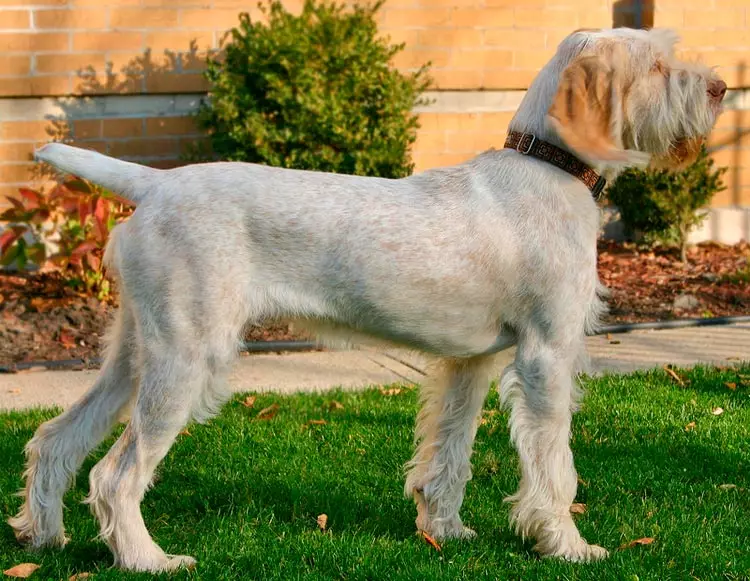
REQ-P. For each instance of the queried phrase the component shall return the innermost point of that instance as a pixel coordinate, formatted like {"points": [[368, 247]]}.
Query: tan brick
{"points": [[453, 79], [450, 38], [107, 41], [77, 3], [14, 65], [158, 126], [122, 128], [179, 41], [34, 41], [497, 121], [431, 142], [423, 162], [16, 172], [102, 83], [33, 3], [416, 17], [510, 38], [732, 3], [140, 18], [535, 18], [209, 19], [415, 58], [93, 144], [24, 131], [293, 6], [727, 18], [675, 18], [16, 151], [80, 19], [59, 63], [15, 19], [480, 59], [144, 148], [408, 36], [481, 18], [531, 59], [47, 85], [87, 129], [177, 83], [507, 79], [601, 18], [724, 58], [516, 3]]}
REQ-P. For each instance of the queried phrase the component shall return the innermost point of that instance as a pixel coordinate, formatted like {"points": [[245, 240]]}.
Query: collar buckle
{"points": [[526, 143]]}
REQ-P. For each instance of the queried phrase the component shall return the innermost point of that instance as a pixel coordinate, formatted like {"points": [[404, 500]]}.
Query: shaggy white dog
{"points": [[458, 262]]}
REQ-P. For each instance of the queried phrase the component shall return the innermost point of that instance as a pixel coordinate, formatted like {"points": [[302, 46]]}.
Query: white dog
{"points": [[459, 263]]}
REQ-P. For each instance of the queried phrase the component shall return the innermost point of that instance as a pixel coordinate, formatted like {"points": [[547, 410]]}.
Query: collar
{"points": [[528, 144]]}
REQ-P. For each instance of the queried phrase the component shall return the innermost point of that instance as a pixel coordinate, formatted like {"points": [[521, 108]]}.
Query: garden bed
{"points": [[42, 319]]}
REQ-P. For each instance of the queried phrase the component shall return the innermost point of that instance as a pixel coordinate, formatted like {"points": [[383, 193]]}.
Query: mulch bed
{"points": [[42, 319]]}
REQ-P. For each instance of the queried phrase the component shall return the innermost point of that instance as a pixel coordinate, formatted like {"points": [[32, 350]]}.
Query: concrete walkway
{"points": [[292, 372]]}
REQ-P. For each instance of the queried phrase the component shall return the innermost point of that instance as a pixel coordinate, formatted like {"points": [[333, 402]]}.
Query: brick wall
{"points": [[128, 55]]}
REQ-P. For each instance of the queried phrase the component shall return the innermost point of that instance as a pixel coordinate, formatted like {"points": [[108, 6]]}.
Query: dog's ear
{"points": [[587, 110]]}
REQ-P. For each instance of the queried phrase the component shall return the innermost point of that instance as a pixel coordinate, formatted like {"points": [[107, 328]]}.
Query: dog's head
{"points": [[622, 98]]}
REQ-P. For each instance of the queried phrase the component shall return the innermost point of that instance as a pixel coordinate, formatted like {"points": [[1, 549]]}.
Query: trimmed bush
{"points": [[663, 206], [314, 91]]}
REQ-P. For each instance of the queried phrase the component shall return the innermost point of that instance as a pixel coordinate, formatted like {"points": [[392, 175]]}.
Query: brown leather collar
{"points": [[528, 144]]}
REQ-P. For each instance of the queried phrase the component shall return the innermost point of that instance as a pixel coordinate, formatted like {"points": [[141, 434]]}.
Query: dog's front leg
{"points": [[446, 427], [540, 389]]}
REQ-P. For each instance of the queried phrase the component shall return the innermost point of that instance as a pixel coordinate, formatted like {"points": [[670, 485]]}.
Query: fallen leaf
{"points": [[67, 339], [335, 405], [731, 385], [734, 358], [21, 571], [674, 375], [268, 413], [78, 576], [727, 486], [14, 391], [391, 391], [614, 342], [185, 432], [717, 411], [322, 522], [690, 427], [577, 508], [430, 541], [582, 482], [316, 422], [635, 543], [249, 401]]}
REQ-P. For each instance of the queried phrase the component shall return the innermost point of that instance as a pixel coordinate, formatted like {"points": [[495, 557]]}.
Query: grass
{"points": [[242, 495]]}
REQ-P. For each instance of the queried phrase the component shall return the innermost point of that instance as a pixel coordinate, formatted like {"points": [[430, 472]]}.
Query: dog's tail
{"points": [[128, 180]]}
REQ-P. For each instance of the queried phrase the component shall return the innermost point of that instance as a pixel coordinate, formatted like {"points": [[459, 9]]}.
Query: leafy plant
{"points": [[664, 206], [312, 91], [76, 217]]}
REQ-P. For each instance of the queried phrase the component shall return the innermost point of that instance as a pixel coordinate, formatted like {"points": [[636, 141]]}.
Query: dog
{"points": [[459, 263]]}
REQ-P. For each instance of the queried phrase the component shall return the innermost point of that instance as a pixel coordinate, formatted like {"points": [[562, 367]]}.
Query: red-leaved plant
{"points": [[76, 217]]}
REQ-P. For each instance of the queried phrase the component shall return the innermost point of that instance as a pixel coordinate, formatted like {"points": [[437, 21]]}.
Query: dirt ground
{"points": [[43, 320]]}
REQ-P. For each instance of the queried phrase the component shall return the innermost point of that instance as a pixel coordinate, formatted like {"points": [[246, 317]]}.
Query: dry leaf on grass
{"points": [[671, 372], [316, 423], [582, 482], [577, 508], [268, 413], [67, 339], [14, 391], [717, 411], [335, 405], [21, 571], [727, 486], [322, 522], [249, 401], [635, 543], [391, 391], [78, 576], [731, 385], [690, 427], [185, 432], [430, 541]]}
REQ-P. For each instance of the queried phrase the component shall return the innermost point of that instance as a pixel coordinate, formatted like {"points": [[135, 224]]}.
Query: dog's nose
{"points": [[717, 89]]}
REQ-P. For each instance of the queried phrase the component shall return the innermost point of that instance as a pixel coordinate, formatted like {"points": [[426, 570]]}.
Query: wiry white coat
{"points": [[458, 262]]}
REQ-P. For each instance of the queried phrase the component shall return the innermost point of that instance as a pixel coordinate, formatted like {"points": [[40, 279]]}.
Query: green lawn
{"points": [[242, 495]]}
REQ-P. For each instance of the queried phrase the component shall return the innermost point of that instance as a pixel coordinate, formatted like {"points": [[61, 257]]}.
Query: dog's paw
{"points": [[176, 562], [452, 530], [580, 552], [34, 539]]}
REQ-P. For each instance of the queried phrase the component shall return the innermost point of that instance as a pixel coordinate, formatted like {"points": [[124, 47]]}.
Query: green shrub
{"points": [[314, 91], [663, 206]]}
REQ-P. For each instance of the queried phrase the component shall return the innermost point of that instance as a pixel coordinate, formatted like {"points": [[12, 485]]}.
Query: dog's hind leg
{"points": [[446, 426], [540, 389], [59, 446]]}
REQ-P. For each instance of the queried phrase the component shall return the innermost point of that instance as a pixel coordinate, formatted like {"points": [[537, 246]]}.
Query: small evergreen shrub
{"points": [[314, 91], [664, 206]]}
